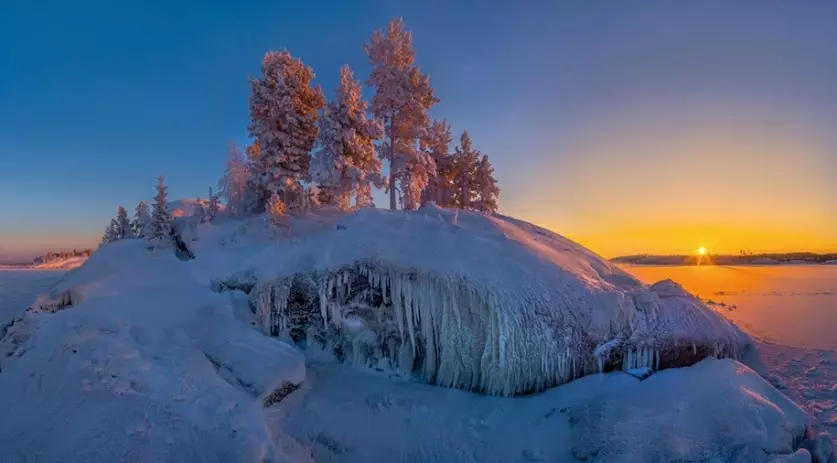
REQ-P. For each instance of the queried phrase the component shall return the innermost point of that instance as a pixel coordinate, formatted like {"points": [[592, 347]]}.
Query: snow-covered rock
{"points": [[474, 301], [145, 364], [717, 410]]}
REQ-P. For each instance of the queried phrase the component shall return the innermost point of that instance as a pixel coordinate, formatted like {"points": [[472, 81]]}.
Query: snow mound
{"points": [[145, 364], [472, 301], [717, 410]]}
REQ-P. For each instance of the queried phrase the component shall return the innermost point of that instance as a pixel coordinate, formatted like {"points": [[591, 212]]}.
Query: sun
{"points": [[701, 251]]}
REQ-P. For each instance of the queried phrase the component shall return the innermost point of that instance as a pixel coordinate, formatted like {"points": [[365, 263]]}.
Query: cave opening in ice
{"points": [[453, 333]]}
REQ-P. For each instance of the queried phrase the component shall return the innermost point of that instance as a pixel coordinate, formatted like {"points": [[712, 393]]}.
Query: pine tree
{"points": [[160, 234], [233, 185], [123, 224], [465, 169], [436, 143], [402, 98], [212, 208], [283, 121], [486, 187], [142, 219], [346, 162]]}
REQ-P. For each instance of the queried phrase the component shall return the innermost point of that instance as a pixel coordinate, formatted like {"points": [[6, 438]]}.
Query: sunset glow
{"points": [[701, 251]]}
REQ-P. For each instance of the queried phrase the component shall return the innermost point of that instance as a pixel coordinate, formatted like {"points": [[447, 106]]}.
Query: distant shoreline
{"points": [[796, 258]]}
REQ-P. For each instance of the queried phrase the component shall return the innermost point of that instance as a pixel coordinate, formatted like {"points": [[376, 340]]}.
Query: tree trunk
{"points": [[392, 205]]}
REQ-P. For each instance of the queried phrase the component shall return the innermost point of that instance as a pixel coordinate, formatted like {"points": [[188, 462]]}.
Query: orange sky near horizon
{"points": [[667, 185]]}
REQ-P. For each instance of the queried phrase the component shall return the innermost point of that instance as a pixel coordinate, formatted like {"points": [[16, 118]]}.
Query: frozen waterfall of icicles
{"points": [[448, 331]]}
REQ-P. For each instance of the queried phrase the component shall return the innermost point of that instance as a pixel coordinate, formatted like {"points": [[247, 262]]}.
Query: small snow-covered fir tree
{"points": [[403, 96], [212, 208], [110, 232], [465, 170], [233, 185], [160, 229], [123, 224], [142, 219], [200, 211], [283, 121], [486, 187], [346, 162]]}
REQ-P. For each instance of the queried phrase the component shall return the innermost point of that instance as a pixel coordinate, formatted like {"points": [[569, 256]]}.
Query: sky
{"points": [[631, 127]]}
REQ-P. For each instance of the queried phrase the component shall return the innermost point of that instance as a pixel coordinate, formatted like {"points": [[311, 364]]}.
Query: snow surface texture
{"points": [[144, 364], [477, 302], [132, 358], [715, 411], [18, 288]]}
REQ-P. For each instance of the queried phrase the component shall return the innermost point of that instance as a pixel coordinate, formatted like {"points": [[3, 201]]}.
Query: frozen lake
{"points": [[19, 288], [794, 305]]}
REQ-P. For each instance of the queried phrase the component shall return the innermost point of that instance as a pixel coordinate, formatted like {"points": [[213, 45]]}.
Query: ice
{"points": [[479, 302]]}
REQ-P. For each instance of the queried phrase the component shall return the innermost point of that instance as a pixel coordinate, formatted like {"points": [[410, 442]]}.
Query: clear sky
{"points": [[631, 126]]}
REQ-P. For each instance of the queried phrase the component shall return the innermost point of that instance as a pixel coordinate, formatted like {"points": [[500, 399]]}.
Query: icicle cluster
{"points": [[453, 334]]}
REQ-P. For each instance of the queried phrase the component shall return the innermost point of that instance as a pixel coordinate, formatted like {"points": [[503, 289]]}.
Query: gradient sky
{"points": [[631, 126]]}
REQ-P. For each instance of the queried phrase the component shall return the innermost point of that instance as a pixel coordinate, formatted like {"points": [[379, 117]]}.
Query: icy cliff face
{"points": [[477, 302]]}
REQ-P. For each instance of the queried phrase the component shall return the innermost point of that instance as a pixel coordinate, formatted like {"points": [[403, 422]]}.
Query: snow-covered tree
{"points": [[233, 185], [346, 162], [276, 211], [213, 206], [485, 186], [283, 121], [465, 169], [110, 232], [142, 219], [402, 98], [123, 224], [255, 195], [436, 143], [200, 211], [160, 229]]}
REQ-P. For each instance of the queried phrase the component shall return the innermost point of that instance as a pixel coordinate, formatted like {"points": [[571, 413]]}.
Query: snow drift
{"points": [[472, 301], [132, 358]]}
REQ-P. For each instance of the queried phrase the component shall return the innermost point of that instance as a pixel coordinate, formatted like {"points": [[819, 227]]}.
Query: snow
{"points": [[790, 312], [478, 301], [19, 287], [716, 409], [62, 264], [147, 363]]}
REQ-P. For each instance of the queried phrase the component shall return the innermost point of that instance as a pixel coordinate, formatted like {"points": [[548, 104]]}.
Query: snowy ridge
{"points": [[479, 302]]}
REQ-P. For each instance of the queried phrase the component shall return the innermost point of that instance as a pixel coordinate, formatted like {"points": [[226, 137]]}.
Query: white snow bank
{"points": [[146, 365], [472, 301], [715, 411]]}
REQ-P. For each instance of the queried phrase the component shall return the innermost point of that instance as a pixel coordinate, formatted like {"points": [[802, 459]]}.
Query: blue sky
{"points": [[583, 107]]}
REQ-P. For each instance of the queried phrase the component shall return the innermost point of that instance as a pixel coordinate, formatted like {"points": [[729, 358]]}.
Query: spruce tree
{"points": [[283, 121], [123, 224], [436, 143], [465, 169], [486, 187], [142, 219], [160, 234], [212, 208]]}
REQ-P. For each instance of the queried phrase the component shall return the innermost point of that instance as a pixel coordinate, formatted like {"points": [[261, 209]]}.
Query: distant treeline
{"points": [[61, 255], [745, 258]]}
